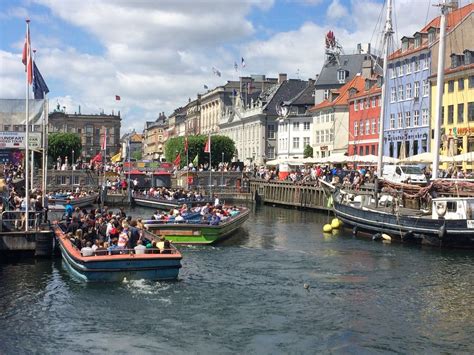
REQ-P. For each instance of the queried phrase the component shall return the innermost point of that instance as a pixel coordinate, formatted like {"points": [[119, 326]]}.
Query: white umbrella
{"points": [[425, 158], [390, 160], [465, 157]]}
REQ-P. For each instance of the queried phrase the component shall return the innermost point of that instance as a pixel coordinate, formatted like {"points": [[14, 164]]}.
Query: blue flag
{"points": [[39, 85]]}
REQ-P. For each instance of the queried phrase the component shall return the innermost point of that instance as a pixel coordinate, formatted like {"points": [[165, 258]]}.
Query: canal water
{"points": [[247, 295]]}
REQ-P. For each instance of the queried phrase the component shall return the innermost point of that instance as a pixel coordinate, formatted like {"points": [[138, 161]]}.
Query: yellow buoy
{"points": [[327, 228], [386, 237], [335, 223]]}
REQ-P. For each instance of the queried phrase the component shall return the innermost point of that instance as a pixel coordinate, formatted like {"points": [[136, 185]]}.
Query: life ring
{"points": [[441, 208]]}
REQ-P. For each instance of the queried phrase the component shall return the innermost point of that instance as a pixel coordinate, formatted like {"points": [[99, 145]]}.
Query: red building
{"points": [[364, 116]]}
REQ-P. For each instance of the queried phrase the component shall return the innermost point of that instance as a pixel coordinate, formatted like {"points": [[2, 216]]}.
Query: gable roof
{"points": [[305, 97], [358, 82], [453, 18], [285, 91], [349, 62]]}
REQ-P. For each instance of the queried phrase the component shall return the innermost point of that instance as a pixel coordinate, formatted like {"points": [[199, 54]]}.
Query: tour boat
{"points": [[119, 267], [59, 202], [165, 204], [192, 231]]}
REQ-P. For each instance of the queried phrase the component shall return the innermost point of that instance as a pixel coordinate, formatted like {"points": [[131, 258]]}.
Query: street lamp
{"points": [[222, 170], [72, 168]]}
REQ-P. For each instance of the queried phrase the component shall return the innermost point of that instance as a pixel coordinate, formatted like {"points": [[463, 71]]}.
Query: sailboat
{"points": [[444, 221]]}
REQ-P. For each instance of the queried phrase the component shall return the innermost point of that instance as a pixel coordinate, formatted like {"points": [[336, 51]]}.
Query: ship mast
{"points": [[439, 89], [388, 32]]}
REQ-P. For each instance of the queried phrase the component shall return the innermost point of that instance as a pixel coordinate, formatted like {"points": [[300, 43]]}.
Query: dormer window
{"points": [[404, 45], [417, 41], [341, 76], [431, 35], [326, 94]]}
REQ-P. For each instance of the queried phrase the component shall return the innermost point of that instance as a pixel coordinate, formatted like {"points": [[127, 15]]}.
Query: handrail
{"points": [[12, 223]]}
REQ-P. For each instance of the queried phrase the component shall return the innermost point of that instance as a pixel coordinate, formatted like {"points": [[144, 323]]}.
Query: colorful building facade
{"points": [[364, 117], [457, 131]]}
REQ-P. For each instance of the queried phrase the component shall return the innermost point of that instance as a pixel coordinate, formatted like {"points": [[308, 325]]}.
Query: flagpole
{"points": [[27, 136], [45, 149], [210, 167], [187, 163]]}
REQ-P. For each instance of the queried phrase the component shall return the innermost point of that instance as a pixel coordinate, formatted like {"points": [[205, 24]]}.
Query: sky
{"points": [[156, 54]]}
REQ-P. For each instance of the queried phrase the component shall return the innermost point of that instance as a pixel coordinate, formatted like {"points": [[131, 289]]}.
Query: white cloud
{"points": [[336, 10]]}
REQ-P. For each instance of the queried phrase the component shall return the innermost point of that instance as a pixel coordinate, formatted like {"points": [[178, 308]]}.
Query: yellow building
{"points": [[457, 130]]}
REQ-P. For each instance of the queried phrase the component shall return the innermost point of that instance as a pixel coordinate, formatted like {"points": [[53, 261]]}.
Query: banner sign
{"points": [[10, 139]]}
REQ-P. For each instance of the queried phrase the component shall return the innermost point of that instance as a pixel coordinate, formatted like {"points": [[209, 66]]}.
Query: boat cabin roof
{"points": [[453, 199]]}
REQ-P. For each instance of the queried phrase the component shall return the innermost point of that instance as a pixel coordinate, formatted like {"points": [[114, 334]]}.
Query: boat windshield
{"points": [[415, 170]]}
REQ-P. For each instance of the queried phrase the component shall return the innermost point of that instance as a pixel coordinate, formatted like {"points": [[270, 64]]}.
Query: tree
{"points": [[137, 155], [219, 145], [308, 151], [62, 144]]}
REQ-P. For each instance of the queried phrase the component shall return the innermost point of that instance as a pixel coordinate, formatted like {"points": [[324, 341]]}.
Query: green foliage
{"points": [[219, 145], [62, 144], [137, 155], [308, 151]]}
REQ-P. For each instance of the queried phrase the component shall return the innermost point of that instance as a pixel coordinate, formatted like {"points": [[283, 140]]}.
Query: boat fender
{"points": [[386, 237], [441, 208], [335, 224], [354, 231], [442, 231], [377, 236], [408, 236], [327, 228]]}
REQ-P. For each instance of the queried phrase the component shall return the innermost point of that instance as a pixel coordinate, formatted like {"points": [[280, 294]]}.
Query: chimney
{"points": [[367, 68], [359, 48], [281, 78], [79, 109], [310, 82]]}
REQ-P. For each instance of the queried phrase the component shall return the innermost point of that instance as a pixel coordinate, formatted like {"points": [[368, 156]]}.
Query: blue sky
{"points": [[157, 54]]}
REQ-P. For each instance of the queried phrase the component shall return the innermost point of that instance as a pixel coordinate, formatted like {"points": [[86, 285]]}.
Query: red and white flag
{"points": [[177, 161], [27, 59], [207, 147]]}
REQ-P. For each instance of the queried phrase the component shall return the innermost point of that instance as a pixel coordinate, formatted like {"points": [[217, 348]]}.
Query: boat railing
{"points": [[13, 221]]}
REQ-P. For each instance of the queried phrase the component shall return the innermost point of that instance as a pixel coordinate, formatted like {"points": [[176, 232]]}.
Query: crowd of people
{"points": [[173, 194], [205, 214], [103, 232]]}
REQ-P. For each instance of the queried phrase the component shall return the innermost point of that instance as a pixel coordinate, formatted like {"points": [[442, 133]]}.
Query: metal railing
{"points": [[14, 221]]}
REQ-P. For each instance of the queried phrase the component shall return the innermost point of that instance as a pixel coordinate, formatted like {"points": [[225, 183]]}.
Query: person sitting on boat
{"points": [[160, 244], [113, 248], [87, 250], [123, 237], [206, 209], [140, 248], [179, 218], [215, 219], [157, 215]]}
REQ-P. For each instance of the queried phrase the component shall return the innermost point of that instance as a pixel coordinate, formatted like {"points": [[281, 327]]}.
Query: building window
{"points": [[296, 142], [406, 67], [431, 36], [399, 70], [366, 103], [426, 88], [374, 126], [442, 115], [400, 93], [356, 108], [6, 127], [461, 113], [306, 126], [408, 91], [471, 82], [416, 118], [407, 119], [451, 86], [356, 128], [271, 153], [451, 114], [296, 126], [417, 41], [416, 90], [317, 136], [393, 94], [461, 84], [327, 138], [470, 111], [392, 73], [361, 105], [341, 76], [305, 141], [271, 131], [367, 126], [400, 120], [326, 94], [374, 101], [426, 63], [392, 121], [416, 64]]}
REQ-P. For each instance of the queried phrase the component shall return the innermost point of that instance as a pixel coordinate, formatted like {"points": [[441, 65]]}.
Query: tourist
{"points": [[87, 250], [140, 248]]}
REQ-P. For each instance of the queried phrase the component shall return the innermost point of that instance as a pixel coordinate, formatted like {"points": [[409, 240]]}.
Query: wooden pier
{"points": [[300, 195]]}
